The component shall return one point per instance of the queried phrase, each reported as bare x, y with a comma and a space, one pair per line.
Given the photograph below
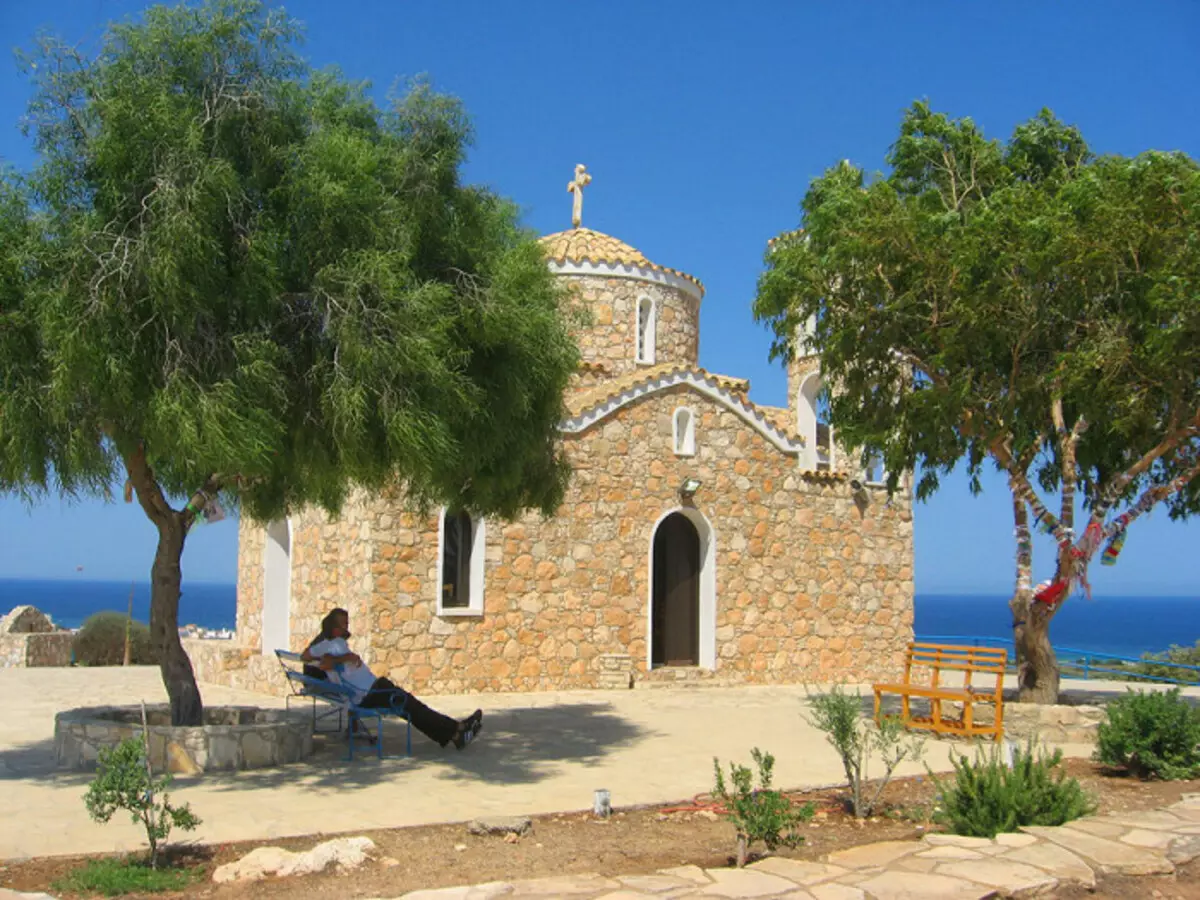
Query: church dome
588, 247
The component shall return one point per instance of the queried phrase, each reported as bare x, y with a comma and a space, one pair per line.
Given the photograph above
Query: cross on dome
575, 186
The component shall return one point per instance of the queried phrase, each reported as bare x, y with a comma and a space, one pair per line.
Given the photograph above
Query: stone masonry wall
20, 651
610, 338
808, 588
329, 568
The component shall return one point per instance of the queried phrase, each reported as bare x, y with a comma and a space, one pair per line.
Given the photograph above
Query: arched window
647, 313
684, 432
460, 564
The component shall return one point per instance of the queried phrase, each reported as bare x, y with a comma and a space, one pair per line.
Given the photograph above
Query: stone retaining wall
232, 664
232, 738
1074, 721
1058, 724
22, 651
29, 638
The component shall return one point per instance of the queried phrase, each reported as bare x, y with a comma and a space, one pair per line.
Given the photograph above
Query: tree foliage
251, 270
958, 295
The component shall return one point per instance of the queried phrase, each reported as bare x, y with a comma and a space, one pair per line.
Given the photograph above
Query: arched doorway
277, 587
675, 593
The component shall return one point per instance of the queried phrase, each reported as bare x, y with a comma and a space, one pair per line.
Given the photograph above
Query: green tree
125, 781
240, 278
1026, 303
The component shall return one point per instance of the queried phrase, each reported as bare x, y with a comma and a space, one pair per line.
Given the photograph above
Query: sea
1118, 626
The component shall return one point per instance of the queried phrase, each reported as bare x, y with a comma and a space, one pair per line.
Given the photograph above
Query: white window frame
645, 344
684, 443
872, 463
475, 576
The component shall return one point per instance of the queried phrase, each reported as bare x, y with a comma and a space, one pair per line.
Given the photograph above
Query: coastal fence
1086, 664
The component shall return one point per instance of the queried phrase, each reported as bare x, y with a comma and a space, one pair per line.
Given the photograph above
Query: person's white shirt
357, 677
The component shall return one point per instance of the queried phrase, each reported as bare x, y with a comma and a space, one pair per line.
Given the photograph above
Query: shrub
124, 781
1151, 734
761, 814
988, 797
1152, 663
856, 739
112, 877
101, 641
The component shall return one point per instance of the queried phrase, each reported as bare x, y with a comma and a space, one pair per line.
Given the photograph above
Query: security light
689, 486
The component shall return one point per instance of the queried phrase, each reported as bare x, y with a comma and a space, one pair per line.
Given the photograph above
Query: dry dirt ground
633, 841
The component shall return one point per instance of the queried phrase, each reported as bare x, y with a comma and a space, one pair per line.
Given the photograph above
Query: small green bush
113, 877
124, 781
761, 814
988, 797
1151, 734
101, 641
857, 739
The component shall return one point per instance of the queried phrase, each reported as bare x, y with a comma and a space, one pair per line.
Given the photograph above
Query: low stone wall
1052, 724
232, 665
24, 651
1074, 720
616, 672
232, 738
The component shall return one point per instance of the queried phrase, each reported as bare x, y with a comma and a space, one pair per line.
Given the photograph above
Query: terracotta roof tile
780, 416
611, 387
785, 238
586, 245
583, 403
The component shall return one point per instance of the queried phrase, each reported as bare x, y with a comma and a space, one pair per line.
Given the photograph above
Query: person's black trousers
437, 727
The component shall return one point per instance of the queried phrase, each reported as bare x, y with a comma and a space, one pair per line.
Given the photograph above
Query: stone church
703, 536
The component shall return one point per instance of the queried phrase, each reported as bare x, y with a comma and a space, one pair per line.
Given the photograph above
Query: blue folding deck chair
293, 663
341, 698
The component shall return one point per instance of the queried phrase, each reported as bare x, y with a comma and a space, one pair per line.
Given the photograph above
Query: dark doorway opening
675, 598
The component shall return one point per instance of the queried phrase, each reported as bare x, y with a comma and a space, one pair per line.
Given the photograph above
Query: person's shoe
468, 729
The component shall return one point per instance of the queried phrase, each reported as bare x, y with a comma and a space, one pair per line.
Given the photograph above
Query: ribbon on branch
1113, 550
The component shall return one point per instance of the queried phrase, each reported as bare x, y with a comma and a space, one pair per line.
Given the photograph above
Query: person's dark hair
329, 621
327, 624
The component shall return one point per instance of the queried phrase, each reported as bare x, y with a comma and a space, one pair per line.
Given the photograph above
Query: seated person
330, 652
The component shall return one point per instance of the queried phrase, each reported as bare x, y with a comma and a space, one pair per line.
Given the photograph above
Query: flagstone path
938, 867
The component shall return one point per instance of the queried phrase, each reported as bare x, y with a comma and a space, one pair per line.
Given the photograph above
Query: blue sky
702, 124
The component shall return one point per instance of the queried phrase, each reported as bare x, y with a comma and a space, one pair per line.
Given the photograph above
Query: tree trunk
166, 576
1037, 666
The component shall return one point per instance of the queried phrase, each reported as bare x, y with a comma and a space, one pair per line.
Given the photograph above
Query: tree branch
145, 486
1024, 541
1150, 498
1117, 487
1021, 488
1068, 441
200, 499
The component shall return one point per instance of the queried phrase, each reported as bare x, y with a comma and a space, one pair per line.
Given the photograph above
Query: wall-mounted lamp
689, 487
860, 492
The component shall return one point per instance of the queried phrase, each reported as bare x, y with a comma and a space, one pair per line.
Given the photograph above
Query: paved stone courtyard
539, 753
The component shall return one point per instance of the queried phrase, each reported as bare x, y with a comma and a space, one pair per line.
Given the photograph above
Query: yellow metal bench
924, 666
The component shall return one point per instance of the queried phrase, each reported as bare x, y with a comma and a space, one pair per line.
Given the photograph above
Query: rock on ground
517, 825
347, 853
